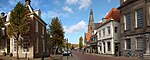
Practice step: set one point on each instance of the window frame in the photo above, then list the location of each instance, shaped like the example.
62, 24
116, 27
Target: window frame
26, 42
109, 46
36, 48
108, 30
140, 38
36, 26
126, 45
103, 32
140, 10
15, 45
127, 24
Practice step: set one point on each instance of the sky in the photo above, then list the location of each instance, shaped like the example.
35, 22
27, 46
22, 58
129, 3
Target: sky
73, 14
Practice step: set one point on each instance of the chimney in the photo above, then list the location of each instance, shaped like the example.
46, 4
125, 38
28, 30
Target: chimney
2, 14
27, 2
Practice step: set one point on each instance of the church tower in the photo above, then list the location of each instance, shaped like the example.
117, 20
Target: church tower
91, 21
27, 2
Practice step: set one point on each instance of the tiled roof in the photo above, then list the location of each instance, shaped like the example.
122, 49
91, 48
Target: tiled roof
113, 14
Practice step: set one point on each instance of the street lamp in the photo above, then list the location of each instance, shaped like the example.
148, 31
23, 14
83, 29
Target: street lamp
147, 40
67, 47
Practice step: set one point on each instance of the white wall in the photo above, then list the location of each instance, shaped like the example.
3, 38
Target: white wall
112, 37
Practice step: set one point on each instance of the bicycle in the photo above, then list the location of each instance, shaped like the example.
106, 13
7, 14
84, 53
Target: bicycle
140, 55
130, 54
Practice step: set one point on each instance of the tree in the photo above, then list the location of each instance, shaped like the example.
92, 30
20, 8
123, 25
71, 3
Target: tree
80, 42
19, 23
56, 33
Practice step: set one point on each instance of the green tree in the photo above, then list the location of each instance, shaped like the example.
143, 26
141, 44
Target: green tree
19, 23
80, 42
56, 33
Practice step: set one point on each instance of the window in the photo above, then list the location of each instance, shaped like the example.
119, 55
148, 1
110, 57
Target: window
108, 46
26, 45
139, 18
103, 32
127, 44
108, 28
36, 26
36, 45
15, 45
99, 33
43, 30
140, 43
92, 32
116, 28
3, 31
127, 21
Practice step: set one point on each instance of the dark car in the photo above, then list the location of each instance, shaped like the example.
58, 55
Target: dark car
67, 53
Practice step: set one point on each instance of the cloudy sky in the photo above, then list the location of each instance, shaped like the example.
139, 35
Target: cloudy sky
74, 14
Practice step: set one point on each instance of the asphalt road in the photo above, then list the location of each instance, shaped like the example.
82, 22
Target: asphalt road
79, 56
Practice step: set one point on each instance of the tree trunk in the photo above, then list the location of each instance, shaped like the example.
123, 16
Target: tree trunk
17, 46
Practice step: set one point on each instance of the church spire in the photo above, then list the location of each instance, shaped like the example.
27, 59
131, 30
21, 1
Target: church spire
91, 18
27, 2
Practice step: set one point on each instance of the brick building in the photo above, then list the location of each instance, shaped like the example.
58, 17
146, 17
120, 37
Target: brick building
37, 36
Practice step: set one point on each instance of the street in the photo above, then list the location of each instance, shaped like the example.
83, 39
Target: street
79, 56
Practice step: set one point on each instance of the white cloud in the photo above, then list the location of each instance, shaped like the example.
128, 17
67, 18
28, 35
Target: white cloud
75, 28
84, 4
108, 1
50, 14
72, 1
67, 9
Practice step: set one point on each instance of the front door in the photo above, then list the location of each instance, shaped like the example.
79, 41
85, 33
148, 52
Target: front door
104, 47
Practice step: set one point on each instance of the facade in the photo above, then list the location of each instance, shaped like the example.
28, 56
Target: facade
135, 26
35, 41
108, 33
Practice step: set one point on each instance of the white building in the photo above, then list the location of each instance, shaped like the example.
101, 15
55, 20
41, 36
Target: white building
108, 34
108, 37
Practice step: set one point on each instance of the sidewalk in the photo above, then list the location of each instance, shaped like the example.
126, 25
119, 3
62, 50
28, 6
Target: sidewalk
54, 57
112, 56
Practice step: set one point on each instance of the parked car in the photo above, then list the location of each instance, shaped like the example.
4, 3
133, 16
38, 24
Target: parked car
67, 53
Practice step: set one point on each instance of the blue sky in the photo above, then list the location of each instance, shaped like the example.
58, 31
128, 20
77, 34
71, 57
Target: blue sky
74, 14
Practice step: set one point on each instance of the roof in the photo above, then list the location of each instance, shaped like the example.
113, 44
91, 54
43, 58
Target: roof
33, 12
113, 14
96, 25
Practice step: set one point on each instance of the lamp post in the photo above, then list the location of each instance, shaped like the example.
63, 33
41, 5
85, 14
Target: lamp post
147, 47
50, 49
67, 47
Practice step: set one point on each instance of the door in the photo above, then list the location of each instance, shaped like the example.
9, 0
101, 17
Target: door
104, 46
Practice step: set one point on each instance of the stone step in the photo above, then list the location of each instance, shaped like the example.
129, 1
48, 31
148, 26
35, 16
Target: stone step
146, 56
